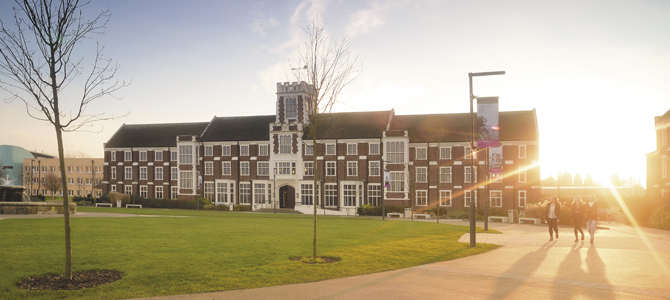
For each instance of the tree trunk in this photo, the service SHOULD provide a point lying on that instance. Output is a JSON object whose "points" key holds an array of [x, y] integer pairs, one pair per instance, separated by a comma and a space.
{"points": [[314, 153]]}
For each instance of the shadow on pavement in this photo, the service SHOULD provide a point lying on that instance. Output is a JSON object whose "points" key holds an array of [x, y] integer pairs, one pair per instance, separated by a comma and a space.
{"points": [[524, 267]]}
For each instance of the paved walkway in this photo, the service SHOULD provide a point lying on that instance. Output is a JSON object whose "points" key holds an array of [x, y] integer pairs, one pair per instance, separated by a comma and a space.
{"points": [[624, 263]]}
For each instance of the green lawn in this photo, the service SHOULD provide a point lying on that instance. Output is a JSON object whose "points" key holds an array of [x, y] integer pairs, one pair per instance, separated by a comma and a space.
{"points": [[214, 251]]}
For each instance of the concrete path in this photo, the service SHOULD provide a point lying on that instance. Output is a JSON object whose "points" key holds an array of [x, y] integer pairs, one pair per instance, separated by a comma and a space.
{"points": [[623, 263]]}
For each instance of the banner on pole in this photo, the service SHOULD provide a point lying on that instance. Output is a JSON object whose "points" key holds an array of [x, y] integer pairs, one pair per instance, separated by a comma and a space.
{"points": [[387, 178], [495, 160], [488, 127]]}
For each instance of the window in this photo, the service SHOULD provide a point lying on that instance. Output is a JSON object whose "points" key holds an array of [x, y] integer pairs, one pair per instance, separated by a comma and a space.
{"points": [[495, 198], [374, 168], [128, 173], [467, 198], [173, 157], [143, 191], [221, 192], [159, 192], [209, 168], [70, 181], [143, 156], [225, 150], [330, 149], [397, 181], [244, 150], [174, 192], [421, 153], [395, 152], [88, 181], [309, 168], [143, 173], [522, 198], [173, 173], [128, 156], [113, 155], [285, 168], [352, 149], [352, 168], [44, 169], [185, 154], [225, 168], [245, 193], [244, 168], [445, 174], [348, 195], [496, 178], [209, 150], [468, 175], [421, 198], [263, 169], [421, 174], [285, 144], [330, 168], [88, 169], [522, 174], [263, 150], [374, 194], [468, 152], [159, 173], [309, 149], [97, 169], [445, 198], [113, 189], [78, 169], [128, 189], [53, 169], [445, 152], [374, 149], [664, 136], [186, 180], [44, 192], [522, 151], [259, 193], [664, 166], [291, 108], [80, 181], [158, 157], [113, 172], [307, 193], [331, 195]]}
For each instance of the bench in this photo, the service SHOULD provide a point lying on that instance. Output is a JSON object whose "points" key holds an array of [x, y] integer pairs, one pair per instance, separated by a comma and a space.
{"points": [[535, 221], [103, 204], [399, 215], [425, 216], [134, 205], [502, 219]]}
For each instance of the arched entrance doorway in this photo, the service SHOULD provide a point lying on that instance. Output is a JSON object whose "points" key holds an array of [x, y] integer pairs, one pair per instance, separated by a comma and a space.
{"points": [[286, 197]]}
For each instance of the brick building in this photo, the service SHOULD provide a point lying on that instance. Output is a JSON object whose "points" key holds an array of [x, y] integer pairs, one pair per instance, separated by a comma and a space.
{"points": [[658, 181], [246, 160]]}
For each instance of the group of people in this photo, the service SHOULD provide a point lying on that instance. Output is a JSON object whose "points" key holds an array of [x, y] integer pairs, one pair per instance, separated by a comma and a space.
{"points": [[580, 212]]}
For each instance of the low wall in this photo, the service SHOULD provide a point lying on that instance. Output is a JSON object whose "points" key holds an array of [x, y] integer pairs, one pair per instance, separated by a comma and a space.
{"points": [[27, 208]]}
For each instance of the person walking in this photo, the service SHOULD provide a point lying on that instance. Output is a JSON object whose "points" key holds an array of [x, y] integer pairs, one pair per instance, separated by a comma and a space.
{"points": [[592, 216], [578, 216], [552, 214]]}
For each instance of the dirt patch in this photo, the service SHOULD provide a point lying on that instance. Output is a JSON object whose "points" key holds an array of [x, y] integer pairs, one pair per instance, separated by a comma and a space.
{"points": [[318, 260], [80, 280]]}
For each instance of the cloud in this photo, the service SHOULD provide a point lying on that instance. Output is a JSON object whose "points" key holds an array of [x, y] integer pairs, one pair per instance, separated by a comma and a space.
{"points": [[366, 20], [261, 22]]}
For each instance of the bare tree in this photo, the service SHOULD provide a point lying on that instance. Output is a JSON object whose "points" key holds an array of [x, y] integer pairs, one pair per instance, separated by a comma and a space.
{"points": [[326, 65], [77, 154], [53, 183], [39, 61]]}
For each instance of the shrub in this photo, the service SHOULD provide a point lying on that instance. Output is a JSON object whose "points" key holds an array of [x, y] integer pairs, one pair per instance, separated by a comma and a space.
{"points": [[104, 199], [221, 207], [241, 208], [538, 210], [369, 210], [661, 217], [37, 198]]}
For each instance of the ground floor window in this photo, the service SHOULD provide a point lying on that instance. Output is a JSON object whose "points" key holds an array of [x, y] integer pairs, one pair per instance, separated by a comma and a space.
{"points": [[522, 198], [495, 198], [445, 198], [113, 190], [159, 192], [374, 194], [128, 189], [174, 192], [468, 196], [259, 193], [186, 180], [225, 192], [348, 195], [209, 191], [331, 194], [421, 198], [143, 191], [307, 193], [245, 193]]}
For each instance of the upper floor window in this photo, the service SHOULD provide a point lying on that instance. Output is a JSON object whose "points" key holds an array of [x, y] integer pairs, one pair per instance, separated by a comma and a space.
{"points": [[396, 181], [374, 149], [209, 150], [158, 155], [330, 149], [173, 156], [309, 168], [185, 154], [352, 168], [263, 169], [285, 144], [244, 168], [128, 156], [143, 156], [285, 168], [263, 150], [522, 151], [445, 153], [495, 198], [78, 169], [209, 168], [244, 150], [445, 174], [468, 152], [225, 168], [522, 174], [225, 150], [664, 166], [291, 105], [352, 149], [330, 168], [468, 175], [421, 174], [664, 136], [374, 168], [421, 153], [309, 149], [113, 155], [395, 152]]}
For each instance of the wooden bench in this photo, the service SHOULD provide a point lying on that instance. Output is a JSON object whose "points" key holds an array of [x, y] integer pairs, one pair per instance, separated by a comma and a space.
{"points": [[399, 215], [502, 219], [425, 216], [103, 204], [134, 205], [535, 221]]}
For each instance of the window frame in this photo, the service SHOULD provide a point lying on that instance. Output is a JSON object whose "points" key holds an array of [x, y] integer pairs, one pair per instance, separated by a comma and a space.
{"points": [[423, 151], [524, 197], [352, 168], [524, 153], [373, 148], [421, 198], [447, 198], [209, 150], [374, 168], [448, 175], [209, 168], [443, 152], [421, 176], [158, 173], [352, 148], [226, 168], [244, 168], [331, 165], [497, 196]]}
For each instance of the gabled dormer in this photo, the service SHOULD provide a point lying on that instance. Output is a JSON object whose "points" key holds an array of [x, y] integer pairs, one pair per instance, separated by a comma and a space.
{"points": [[293, 103]]}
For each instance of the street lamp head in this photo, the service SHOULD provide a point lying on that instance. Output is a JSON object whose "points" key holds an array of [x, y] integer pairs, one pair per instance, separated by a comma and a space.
{"points": [[486, 73]]}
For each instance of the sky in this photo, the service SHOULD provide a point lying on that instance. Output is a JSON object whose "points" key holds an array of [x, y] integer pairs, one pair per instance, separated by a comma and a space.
{"points": [[596, 72]]}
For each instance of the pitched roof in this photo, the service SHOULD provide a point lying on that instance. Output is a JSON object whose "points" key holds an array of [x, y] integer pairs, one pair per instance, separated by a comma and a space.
{"points": [[515, 126], [153, 135], [352, 125], [251, 128], [666, 114]]}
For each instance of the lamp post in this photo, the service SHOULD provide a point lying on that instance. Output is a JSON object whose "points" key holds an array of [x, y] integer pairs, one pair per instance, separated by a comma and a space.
{"points": [[274, 191], [473, 224]]}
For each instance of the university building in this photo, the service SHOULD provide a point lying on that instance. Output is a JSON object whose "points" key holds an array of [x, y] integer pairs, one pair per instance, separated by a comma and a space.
{"points": [[84, 176], [658, 179], [254, 160]]}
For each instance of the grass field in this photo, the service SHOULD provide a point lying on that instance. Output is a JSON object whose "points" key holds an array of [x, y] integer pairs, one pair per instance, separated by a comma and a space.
{"points": [[193, 252]]}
